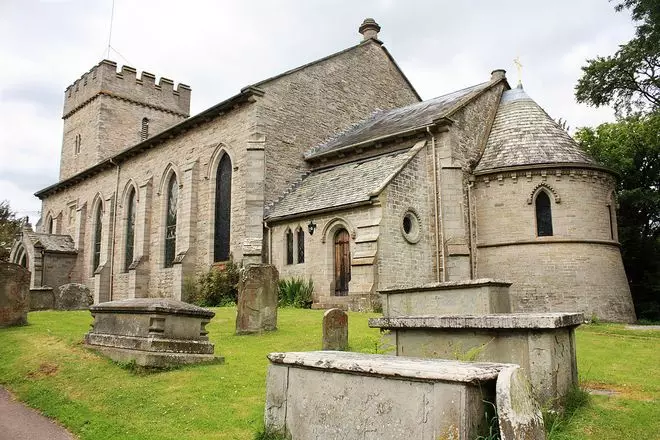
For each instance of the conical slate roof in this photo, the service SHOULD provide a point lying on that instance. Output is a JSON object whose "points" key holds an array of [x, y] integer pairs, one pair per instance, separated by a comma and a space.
{"points": [[523, 134]]}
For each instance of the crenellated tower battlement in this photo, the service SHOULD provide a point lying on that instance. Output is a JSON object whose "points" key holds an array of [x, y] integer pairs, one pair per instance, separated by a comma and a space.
{"points": [[105, 79], [107, 110]]}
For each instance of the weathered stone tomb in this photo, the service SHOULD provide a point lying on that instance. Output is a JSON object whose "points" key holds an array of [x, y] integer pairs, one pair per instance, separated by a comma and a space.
{"points": [[331, 395], [543, 344], [151, 332]]}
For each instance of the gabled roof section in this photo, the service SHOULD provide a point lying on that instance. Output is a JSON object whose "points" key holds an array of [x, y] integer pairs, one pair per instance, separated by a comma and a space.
{"points": [[524, 135], [387, 123], [344, 185], [51, 242], [336, 54]]}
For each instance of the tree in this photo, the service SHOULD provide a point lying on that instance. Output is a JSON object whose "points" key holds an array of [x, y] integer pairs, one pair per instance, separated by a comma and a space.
{"points": [[631, 147], [629, 80], [9, 227]]}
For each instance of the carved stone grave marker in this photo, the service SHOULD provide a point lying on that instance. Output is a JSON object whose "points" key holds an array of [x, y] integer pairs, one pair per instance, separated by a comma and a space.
{"points": [[335, 330], [257, 299]]}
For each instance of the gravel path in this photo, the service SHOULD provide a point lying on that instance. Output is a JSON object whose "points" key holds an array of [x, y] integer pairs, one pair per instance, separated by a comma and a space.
{"points": [[18, 422]]}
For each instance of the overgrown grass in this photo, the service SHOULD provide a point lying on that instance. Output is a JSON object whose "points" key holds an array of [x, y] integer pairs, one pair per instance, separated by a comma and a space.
{"points": [[45, 366]]}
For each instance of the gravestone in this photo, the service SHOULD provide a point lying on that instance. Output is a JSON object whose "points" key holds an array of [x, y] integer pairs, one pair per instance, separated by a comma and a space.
{"points": [[14, 294], [257, 299], [335, 330], [73, 296]]}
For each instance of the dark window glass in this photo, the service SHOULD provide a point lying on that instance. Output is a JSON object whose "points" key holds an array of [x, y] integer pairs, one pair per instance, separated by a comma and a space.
{"points": [[130, 228], [222, 210], [289, 247], [543, 215], [49, 228], [407, 224], [98, 230], [170, 228], [300, 235]]}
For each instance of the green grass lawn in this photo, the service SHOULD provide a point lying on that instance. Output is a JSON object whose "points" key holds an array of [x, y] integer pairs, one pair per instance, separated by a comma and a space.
{"points": [[45, 365]]}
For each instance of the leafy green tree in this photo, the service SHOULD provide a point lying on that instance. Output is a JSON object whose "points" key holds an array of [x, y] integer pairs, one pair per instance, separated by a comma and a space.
{"points": [[9, 227], [629, 80], [631, 147]]}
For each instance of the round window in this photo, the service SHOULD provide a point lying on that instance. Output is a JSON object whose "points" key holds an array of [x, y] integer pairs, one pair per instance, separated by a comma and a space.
{"points": [[411, 226]]}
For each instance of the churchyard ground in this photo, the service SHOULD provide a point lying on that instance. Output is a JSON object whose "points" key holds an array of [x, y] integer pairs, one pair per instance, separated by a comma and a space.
{"points": [[45, 365]]}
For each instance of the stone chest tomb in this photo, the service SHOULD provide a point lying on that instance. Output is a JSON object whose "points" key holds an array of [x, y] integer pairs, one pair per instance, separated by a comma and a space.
{"points": [[152, 332]]}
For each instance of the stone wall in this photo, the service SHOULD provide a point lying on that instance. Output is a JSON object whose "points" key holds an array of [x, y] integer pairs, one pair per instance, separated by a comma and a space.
{"points": [[193, 157], [406, 259], [362, 225], [304, 108], [578, 268]]}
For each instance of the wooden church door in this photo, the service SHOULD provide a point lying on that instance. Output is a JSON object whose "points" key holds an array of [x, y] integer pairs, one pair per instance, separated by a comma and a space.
{"points": [[342, 262]]}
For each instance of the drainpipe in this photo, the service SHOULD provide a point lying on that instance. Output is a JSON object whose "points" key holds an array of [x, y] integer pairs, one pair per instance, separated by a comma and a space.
{"points": [[270, 241], [439, 228], [114, 230]]}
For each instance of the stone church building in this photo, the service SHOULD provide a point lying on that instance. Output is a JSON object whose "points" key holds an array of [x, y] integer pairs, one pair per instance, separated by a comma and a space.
{"points": [[335, 171]]}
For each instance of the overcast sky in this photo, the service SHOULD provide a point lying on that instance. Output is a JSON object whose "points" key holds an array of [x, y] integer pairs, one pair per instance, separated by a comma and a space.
{"points": [[217, 47]]}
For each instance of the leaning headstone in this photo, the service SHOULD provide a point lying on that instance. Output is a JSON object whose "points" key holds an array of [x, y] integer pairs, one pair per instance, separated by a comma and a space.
{"points": [[257, 299], [73, 296], [335, 330], [14, 294], [519, 415]]}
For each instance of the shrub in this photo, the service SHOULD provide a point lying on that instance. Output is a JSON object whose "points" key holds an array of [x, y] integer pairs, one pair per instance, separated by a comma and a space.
{"points": [[295, 292], [217, 287]]}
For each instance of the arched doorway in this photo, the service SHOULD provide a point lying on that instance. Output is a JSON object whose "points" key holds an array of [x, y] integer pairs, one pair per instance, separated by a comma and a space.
{"points": [[342, 262]]}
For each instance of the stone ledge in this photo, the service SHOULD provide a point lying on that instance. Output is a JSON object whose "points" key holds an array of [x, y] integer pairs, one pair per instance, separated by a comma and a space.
{"points": [[152, 305], [161, 345], [496, 321], [396, 367], [446, 285], [154, 359]]}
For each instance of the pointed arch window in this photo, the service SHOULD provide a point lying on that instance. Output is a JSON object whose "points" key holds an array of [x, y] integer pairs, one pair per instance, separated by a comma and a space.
{"points": [[543, 215], [49, 225], [144, 131], [222, 230], [170, 221], [300, 238], [289, 246], [130, 228], [98, 232]]}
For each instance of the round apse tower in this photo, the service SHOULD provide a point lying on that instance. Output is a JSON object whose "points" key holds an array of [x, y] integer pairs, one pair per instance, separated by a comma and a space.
{"points": [[544, 217]]}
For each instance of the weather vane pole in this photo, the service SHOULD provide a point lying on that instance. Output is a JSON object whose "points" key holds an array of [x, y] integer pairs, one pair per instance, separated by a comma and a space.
{"points": [[519, 66], [112, 17]]}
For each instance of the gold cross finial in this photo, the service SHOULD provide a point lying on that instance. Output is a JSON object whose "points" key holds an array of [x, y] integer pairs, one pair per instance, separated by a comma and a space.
{"points": [[519, 66]]}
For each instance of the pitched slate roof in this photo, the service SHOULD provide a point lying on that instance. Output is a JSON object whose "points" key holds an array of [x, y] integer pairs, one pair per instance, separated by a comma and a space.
{"points": [[523, 134], [51, 242], [347, 184], [386, 123]]}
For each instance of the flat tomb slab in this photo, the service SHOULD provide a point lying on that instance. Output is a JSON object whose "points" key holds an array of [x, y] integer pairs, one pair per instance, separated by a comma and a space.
{"points": [[542, 344], [154, 332], [338, 395], [481, 296]]}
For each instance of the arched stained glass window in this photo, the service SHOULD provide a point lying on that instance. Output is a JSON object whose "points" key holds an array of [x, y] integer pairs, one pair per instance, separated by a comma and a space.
{"points": [[98, 232], [300, 237], [170, 221], [289, 246], [130, 228], [543, 215], [222, 210]]}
